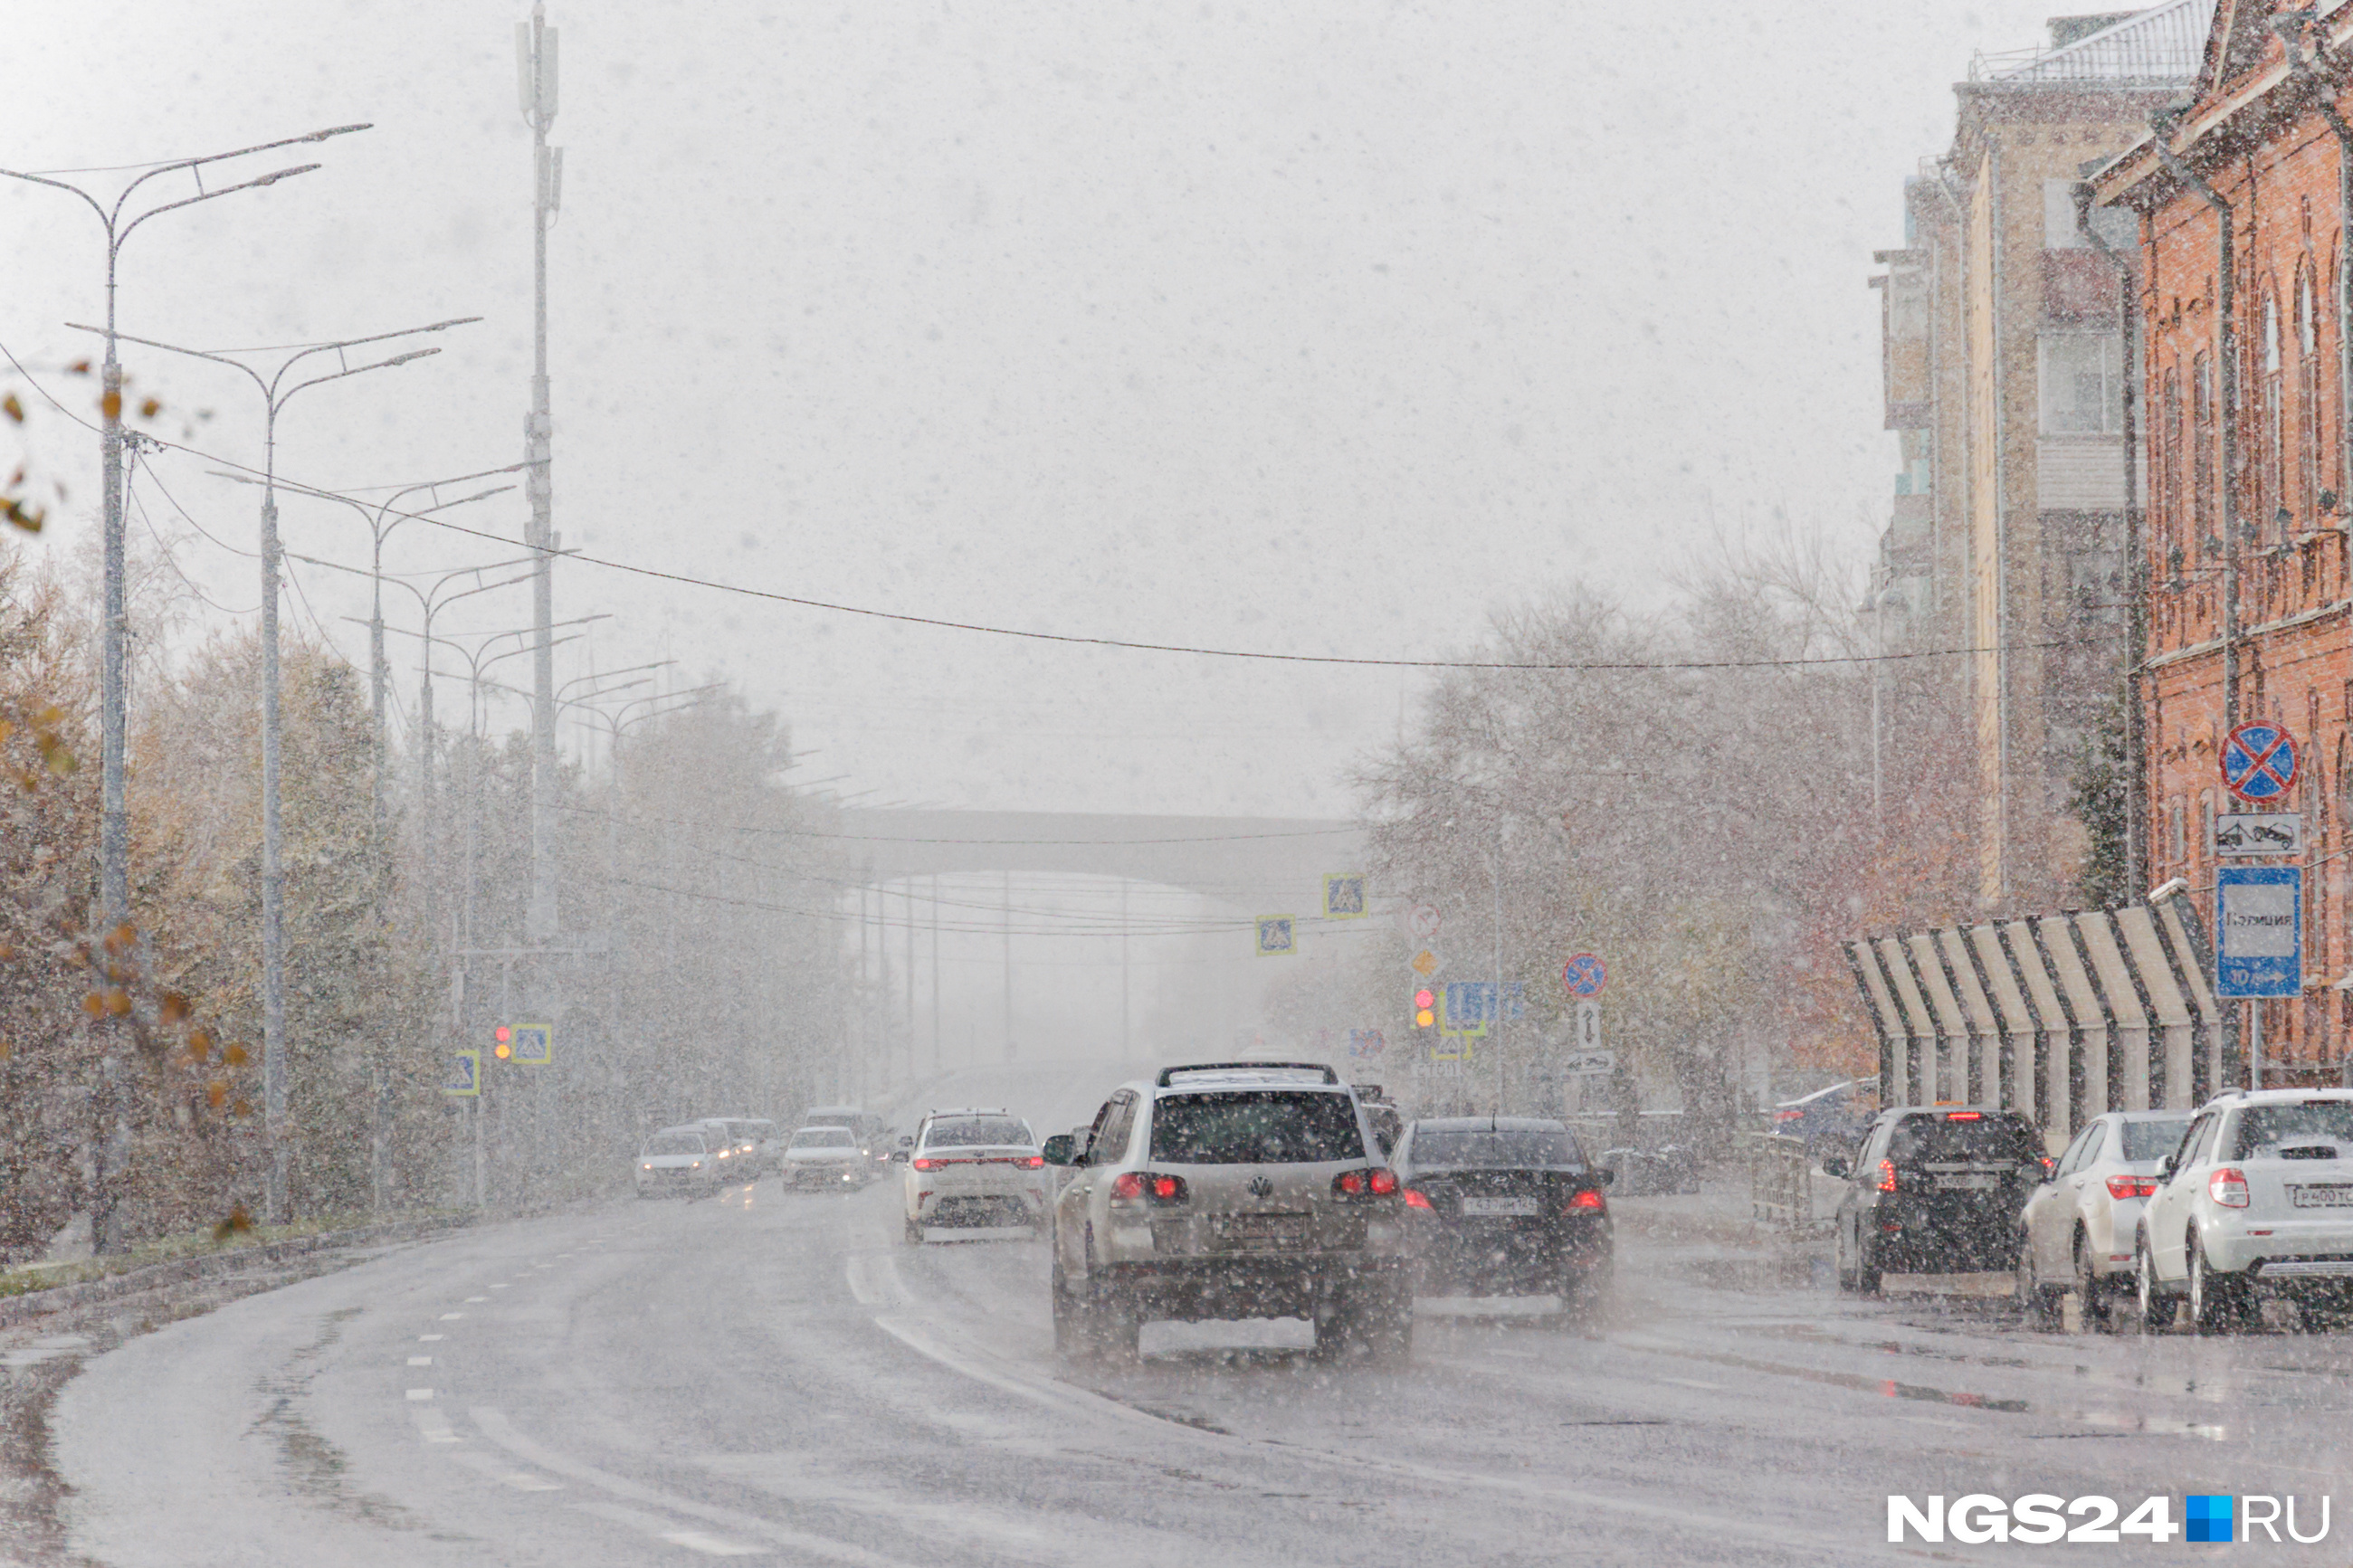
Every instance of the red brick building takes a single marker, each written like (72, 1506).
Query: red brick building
(2244, 199)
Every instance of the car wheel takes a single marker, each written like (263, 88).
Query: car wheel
(1866, 1272)
(2217, 1301)
(1117, 1323)
(913, 1235)
(1073, 1329)
(1583, 1287)
(2093, 1294)
(1382, 1321)
(2156, 1306)
(2036, 1300)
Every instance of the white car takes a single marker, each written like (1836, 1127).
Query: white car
(2077, 1230)
(2258, 1202)
(974, 1167)
(678, 1160)
(825, 1157)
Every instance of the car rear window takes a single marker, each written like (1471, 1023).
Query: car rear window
(1255, 1126)
(1977, 1140)
(2263, 1130)
(1507, 1150)
(823, 1138)
(977, 1132)
(674, 1143)
(2153, 1139)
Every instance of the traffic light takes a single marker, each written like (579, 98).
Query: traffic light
(1424, 1003)
(505, 1046)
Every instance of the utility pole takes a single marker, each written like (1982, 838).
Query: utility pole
(535, 62)
(1007, 913)
(936, 1066)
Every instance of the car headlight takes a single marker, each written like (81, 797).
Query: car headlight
(696, 1166)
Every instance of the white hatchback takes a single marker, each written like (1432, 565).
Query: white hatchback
(974, 1167)
(2259, 1201)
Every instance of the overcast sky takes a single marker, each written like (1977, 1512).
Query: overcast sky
(1307, 327)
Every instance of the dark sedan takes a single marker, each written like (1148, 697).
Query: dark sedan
(1504, 1206)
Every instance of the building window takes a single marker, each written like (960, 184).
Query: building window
(2178, 833)
(2083, 383)
(2269, 450)
(2172, 529)
(2201, 449)
(2307, 396)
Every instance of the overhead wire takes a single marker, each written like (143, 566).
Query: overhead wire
(1583, 665)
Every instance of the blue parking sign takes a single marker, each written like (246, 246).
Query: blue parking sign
(2258, 930)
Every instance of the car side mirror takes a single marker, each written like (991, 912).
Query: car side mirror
(1602, 1178)
(1836, 1165)
(898, 1156)
(907, 1143)
(1060, 1149)
(2165, 1169)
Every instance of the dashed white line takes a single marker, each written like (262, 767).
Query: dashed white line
(451, 1317)
(428, 1338)
(420, 1393)
(478, 1298)
(499, 1286)
(667, 1530)
(433, 1426)
(420, 1361)
(522, 1480)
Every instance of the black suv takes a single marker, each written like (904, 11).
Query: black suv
(1935, 1190)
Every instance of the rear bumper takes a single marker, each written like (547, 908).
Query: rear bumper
(1451, 1252)
(801, 1175)
(1908, 1241)
(1254, 1285)
(2289, 1250)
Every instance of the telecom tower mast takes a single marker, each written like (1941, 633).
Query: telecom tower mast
(535, 62)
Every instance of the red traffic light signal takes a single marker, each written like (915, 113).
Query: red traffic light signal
(1425, 1002)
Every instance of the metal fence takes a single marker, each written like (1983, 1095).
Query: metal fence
(1780, 1182)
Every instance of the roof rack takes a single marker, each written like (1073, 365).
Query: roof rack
(1167, 1075)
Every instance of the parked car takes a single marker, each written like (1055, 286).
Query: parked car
(974, 1167)
(2258, 1201)
(1829, 1120)
(825, 1157)
(741, 1136)
(1503, 1205)
(1240, 1190)
(1934, 1190)
(2078, 1228)
(678, 1160)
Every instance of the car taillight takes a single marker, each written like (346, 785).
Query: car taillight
(1589, 1199)
(2131, 1187)
(1788, 1116)
(2227, 1186)
(1965, 1116)
(923, 1164)
(1034, 1162)
(1378, 1182)
(1153, 1186)
(1414, 1200)
(1887, 1175)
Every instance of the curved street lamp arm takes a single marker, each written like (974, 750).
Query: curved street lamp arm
(287, 396)
(211, 158)
(206, 197)
(95, 204)
(342, 345)
(175, 349)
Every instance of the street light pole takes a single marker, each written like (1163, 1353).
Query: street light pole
(113, 827)
(277, 392)
(535, 46)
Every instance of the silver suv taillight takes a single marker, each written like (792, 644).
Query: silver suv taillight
(2228, 1188)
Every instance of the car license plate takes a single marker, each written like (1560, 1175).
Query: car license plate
(1261, 1232)
(2332, 1197)
(1967, 1182)
(1499, 1206)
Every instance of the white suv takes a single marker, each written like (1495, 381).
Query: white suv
(2259, 1200)
(1239, 1190)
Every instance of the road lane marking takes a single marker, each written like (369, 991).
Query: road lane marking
(420, 1393)
(1693, 1383)
(433, 1426)
(420, 1361)
(874, 1279)
(662, 1529)
(428, 1338)
(451, 1317)
(482, 1464)
(478, 1298)
(494, 1424)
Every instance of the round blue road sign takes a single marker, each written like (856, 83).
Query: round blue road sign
(1585, 974)
(2259, 762)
